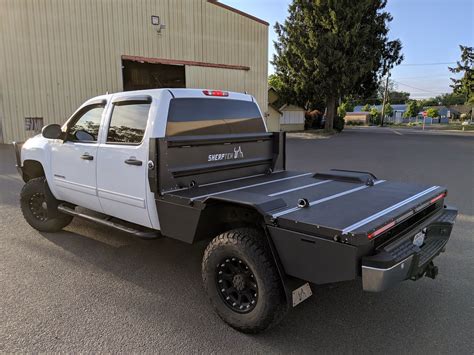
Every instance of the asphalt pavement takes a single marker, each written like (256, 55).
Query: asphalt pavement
(90, 288)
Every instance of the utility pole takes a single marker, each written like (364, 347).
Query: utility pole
(385, 94)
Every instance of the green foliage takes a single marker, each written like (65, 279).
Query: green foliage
(395, 97)
(275, 82)
(344, 108)
(366, 108)
(398, 97)
(432, 112)
(465, 85)
(388, 109)
(453, 98)
(341, 110)
(431, 101)
(329, 49)
(355, 123)
(339, 123)
(347, 106)
(412, 109)
(374, 116)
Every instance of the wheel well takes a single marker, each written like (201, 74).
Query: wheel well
(32, 169)
(221, 217)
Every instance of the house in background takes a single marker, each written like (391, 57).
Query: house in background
(272, 116)
(466, 108)
(445, 114)
(281, 116)
(397, 115)
(357, 117)
(292, 118)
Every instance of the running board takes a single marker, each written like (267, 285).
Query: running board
(116, 225)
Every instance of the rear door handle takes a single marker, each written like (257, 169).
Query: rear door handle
(86, 156)
(133, 161)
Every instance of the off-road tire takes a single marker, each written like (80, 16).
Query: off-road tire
(32, 194)
(248, 245)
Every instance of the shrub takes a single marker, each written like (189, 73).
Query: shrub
(338, 123)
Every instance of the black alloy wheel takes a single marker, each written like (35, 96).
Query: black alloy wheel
(237, 284)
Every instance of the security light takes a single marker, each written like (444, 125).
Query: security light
(155, 20)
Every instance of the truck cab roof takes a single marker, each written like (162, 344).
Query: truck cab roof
(175, 93)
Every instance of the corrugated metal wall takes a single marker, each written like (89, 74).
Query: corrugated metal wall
(54, 54)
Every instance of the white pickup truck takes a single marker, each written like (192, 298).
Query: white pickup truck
(200, 165)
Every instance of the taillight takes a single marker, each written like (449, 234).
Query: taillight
(381, 230)
(391, 224)
(439, 197)
(215, 93)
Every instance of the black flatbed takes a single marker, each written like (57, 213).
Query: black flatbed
(337, 207)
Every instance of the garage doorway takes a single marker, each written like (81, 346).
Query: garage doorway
(141, 76)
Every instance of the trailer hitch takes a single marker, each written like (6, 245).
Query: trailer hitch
(431, 271)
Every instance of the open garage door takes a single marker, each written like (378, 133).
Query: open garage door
(140, 75)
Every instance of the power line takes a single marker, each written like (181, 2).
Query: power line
(418, 64)
(414, 87)
(425, 76)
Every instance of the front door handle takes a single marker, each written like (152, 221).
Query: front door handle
(133, 161)
(86, 156)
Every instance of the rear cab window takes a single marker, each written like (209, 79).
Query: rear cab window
(206, 116)
(128, 123)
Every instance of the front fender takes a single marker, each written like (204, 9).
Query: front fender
(38, 149)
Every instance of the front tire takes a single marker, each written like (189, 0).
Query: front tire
(242, 281)
(34, 208)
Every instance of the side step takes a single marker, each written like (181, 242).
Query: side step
(107, 222)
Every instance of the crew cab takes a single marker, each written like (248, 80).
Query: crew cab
(198, 165)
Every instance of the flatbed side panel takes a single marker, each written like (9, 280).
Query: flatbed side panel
(314, 259)
(178, 221)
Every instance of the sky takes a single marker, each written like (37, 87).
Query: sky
(430, 31)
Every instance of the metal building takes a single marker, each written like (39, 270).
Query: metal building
(55, 54)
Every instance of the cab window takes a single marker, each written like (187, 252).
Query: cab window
(85, 127)
(205, 116)
(128, 123)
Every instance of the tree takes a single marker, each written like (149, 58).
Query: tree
(388, 110)
(398, 97)
(275, 82)
(453, 98)
(330, 49)
(465, 84)
(344, 108)
(366, 108)
(432, 112)
(412, 109)
(431, 101)
(374, 115)
(341, 110)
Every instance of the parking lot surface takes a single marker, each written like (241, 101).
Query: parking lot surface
(90, 288)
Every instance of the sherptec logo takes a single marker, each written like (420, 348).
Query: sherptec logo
(237, 154)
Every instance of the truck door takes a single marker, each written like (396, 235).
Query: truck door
(74, 161)
(122, 161)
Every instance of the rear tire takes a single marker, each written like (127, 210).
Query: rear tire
(34, 208)
(242, 281)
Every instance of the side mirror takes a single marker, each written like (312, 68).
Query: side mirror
(52, 131)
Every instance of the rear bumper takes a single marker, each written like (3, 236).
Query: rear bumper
(402, 259)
